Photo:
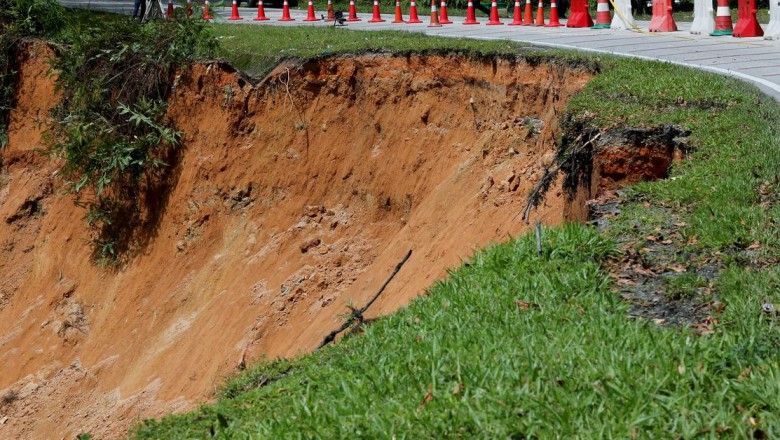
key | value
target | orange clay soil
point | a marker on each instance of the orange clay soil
(290, 200)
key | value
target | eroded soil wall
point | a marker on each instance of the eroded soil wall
(291, 198)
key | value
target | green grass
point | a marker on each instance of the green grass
(465, 361)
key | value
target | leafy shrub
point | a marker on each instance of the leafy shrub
(21, 19)
(111, 129)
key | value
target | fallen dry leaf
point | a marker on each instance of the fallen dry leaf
(755, 245)
(524, 305)
(681, 369)
(743, 374)
(428, 397)
(677, 268)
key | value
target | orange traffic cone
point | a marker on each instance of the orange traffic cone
(260, 12)
(206, 15)
(539, 14)
(377, 18)
(528, 16)
(189, 8)
(352, 12)
(517, 20)
(723, 24)
(413, 18)
(169, 12)
(470, 17)
(603, 19)
(234, 15)
(494, 20)
(554, 21)
(331, 14)
(444, 19)
(285, 12)
(399, 18)
(310, 12)
(434, 15)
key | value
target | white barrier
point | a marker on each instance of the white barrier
(703, 21)
(772, 31)
(623, 9)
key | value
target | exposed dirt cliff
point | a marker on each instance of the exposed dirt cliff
(291, 199)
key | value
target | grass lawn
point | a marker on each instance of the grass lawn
(518, 345)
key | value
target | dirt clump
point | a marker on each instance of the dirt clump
(292, 198)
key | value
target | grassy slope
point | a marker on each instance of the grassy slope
(466, 361)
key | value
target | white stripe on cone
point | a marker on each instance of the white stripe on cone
(602, 7)
(723, 10)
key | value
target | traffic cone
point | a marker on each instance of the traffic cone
(580, 17)
(285, 12)
(603, 19)
(517, 18)
(528, 16)
(399, 18)
(539, 14)
(494, 20)
(662, 20)
(470, 17)
(169, 12)
(434, 15)
(352, 12)
(189, 8)
(773, 30)
(703, 23)
(723, 25)
(623, 18)
(260, 12)
(377, 18)
(413, 18)
(443, 8)
(310, 12)
(747, 24)
(554, 20)
(331, 14)
(234, 15)
(206, 15)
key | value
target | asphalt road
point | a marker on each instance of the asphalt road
(751, 59)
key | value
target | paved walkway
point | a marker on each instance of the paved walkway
(752, 59)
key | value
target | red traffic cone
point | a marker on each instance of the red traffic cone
(413, 18)
(377, 18)
(352, 12)
(747, 24)
(399, 18)
(260, 12)
(331, 14)
(443, 8)
(580, 17)
(206, 15)
(662, 20)
(494, 20)
(234, 15)
(434, 15)
(723, 25)
(189, 8)
(539, 14)
(528, 16)
(603, 19)
(554, 21)
(517, 19)
(470, 17)
(169, 12)
(285, 12)
(310, 12)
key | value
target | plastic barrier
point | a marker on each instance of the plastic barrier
(662, 20)
(747, 24)
(703, 23)
(623, 18)
(580, 17)
(773, 30)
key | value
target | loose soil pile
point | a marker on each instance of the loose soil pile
(292, 199)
